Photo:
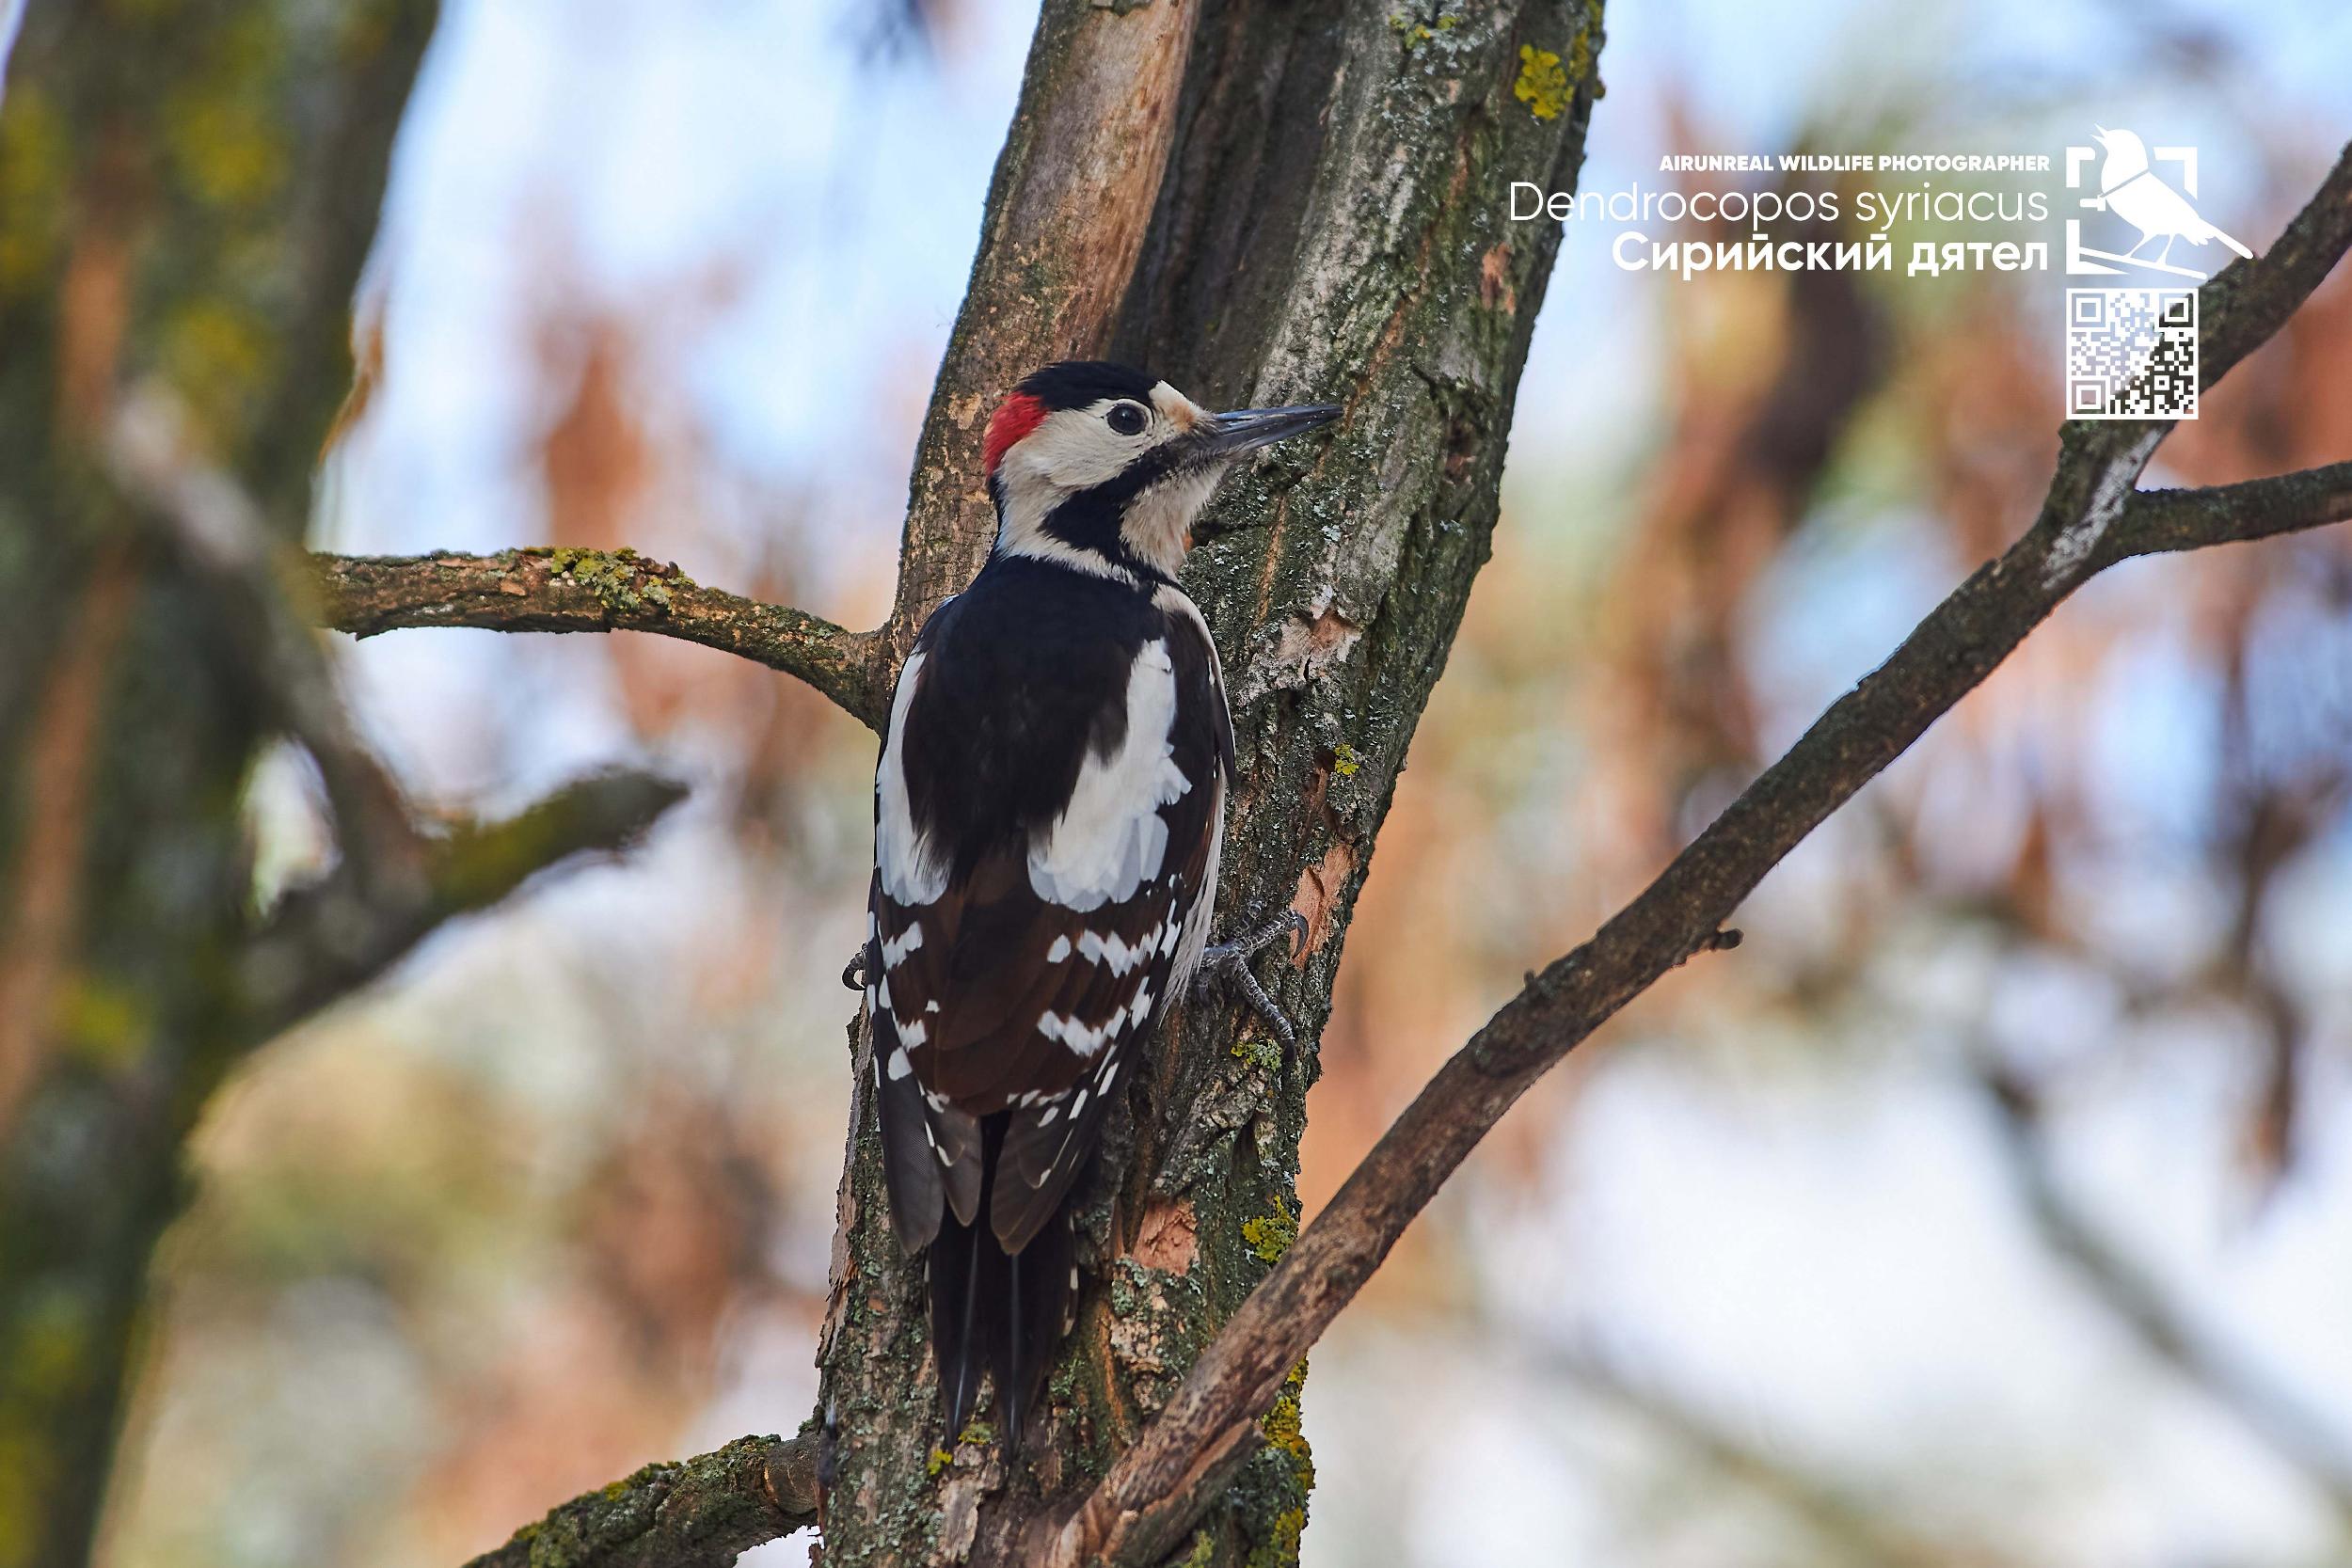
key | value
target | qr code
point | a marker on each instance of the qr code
(2131, 353)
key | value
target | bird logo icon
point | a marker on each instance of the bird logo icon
(2130, 188)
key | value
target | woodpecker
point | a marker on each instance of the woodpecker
(1048, 813)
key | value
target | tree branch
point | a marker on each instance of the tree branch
(1144, 1502)
(699, 1513)
(566, 590)
(2159, 521)
(1067, 211)
(330, 939)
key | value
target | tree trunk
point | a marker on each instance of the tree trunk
(1332, 224)
(186, 194)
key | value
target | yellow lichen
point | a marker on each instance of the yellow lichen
(211, 341)
(1543, 86)
(1286, 1435)
(1281, 1549)
(104, 1024)
(1270, 1235)
(1262, 1054)
(1414, 33)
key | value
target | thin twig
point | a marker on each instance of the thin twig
(2158, 521)
(326, 940)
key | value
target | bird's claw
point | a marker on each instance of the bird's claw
(1229, 961)
(853, 973)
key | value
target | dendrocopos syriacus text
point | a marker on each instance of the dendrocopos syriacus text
(1047, 817)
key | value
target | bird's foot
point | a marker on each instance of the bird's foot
(853, 973)
(1228, 962)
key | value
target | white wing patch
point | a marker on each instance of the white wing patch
(1193, 941)
(910, 874)
(1111, 839)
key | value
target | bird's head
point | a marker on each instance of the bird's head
(1105, 467)
(2123, 146)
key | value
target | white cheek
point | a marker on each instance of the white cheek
(1073, 450)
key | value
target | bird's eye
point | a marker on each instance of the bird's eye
(1127, 419)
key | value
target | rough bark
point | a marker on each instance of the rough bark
(1332, 226)
(566, 589)
(699, 1513)
(1184, 1458)
(186, 195)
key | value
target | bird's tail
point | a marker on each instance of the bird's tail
(995, 1312)
(2232, 243)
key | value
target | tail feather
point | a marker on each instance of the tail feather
(995, 1312)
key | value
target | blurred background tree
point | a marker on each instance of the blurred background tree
(1757, 1281)
(186, 197)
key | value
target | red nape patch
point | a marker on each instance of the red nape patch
(1014, 418)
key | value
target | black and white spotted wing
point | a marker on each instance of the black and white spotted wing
(1048, 810)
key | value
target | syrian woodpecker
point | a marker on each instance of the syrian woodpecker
(1048, 813)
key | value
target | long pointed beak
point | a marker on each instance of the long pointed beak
(1247, 429)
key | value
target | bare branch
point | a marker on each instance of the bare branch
(2157, 521)
(2273, 1412)
(699, 1513)
(1144, 1502)
(564, 590)
(327, 940)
